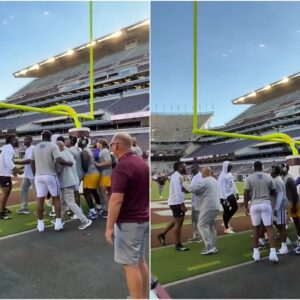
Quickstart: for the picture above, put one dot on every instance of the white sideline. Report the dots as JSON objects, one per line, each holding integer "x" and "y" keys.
{"x": 27, "y": 231}
{"x": 211, "y": 273}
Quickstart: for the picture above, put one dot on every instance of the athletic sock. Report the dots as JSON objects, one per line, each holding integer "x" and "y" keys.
{"x": 58, "y": 220}
{"x": 40, "y": 222}
{"x": 283, "y": 245}
{"x": 272, "y": 250}
{"x": 262, "y": 241}
{"x": 256, "y": 249}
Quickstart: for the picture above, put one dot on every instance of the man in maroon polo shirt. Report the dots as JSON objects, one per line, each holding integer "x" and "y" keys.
{"x": 127, "y": 225}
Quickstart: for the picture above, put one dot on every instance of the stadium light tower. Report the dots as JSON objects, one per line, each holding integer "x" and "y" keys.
{"x": 275, "y": 137}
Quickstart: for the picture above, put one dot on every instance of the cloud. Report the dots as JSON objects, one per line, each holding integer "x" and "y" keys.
{"x": 46, "y": 13}
{"x": 262, "y": 45}
{"x": 8, "y": 20}
{"x": 298, "y": 31}
{"x": 227, "y": 52}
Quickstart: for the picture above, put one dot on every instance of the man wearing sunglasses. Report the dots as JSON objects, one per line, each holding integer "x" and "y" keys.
{"x": 127, "y": 225}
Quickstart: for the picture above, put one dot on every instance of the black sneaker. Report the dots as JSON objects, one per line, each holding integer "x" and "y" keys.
{"x": 69, "y": 213}
{"x": 7, "y": 211}
{"x": 181, "y": 248}
{"x": 23, "y": 211}
{"x": 4, "y": 216}
{"x": 161, "y": 239}
{"x": 261, "y": 246}
{"x": 104, "y": 214}
{"x": 99, "y": 210}
{"x": 52, "y": 214}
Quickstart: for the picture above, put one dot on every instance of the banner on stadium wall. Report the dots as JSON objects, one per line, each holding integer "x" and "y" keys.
{"x": 140, "y": 114}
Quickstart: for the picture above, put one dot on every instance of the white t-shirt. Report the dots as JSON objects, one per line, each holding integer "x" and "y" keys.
{"x": 176, "y": 195}
{"x": 6, "y": 160}
{"x": 27, "y": 168}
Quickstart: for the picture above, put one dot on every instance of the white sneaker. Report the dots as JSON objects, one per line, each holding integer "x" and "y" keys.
{"x": 283, "y": 250}
{"x": 229, "y": 226}
{"x": 256, "y": 255}
{"x": 228, "y": 231}
{"x": 41, "y": 227}
{"x": 85, "y": 225}
{"x": 214, "y": 250}
{"x": 58, "y": 226}
{"x": 273, "y": 257}
{"x": 209, "y": 251}
{"x": 53, "y": 222}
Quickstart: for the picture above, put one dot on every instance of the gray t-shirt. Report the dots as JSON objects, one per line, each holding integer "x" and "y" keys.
{"x": 280, "y": 188}
{"x": 68, "y": 175}
{"x": 44, "y": 155}
{"x": 91, "y": 167}
{"x": 76, "y": 153}
{"x": 260, "y": 185}
{"x": 105, "y": 156}
{"x": 208, "y": 193}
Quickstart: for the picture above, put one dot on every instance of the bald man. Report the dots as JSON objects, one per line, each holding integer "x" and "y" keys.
{"x": 128, "y": 215}
{"x": 207, "y": 203}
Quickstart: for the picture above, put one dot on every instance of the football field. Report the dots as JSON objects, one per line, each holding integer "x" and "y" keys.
{"x": 192, "y": 275}
{"x": 50, "y": 265}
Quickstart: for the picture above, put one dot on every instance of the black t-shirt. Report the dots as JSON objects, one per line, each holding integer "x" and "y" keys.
{"x": 161, "y": 180}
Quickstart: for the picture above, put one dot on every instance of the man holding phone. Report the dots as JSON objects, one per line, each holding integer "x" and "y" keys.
{"x": 176, "y": 203}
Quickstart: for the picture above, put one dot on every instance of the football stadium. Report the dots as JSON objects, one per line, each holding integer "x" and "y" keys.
{"x": 121, "y": 73}
{"x": 271, "y": 109}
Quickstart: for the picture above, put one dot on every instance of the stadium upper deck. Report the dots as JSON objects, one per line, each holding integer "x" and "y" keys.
{"x": 275, "y": 108}
{"x": 121, "y": 85}
{"x": 170, "y": 134}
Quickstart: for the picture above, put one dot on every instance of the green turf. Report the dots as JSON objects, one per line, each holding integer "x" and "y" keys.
{"x": 240, "y": 187}
{"x": 155, "y": 195}
{"x": 169, "y": 265}
{"x": 189, "y": 221}
{"x": 20, "y": 223}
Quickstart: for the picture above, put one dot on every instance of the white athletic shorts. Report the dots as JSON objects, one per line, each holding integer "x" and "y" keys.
{"x": 45, "y": 184}
{"x": 282, "y": 217}
{"x": 261, "y": 212}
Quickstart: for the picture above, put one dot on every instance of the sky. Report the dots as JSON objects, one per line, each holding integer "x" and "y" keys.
{"x": 34, "y": 31}
{"x": 242, "y": 46}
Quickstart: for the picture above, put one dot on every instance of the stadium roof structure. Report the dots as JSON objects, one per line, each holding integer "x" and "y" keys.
{"x": 175, "y": 127}
{"x": 278, "y": 88}
{"x": 80, "y": 54}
